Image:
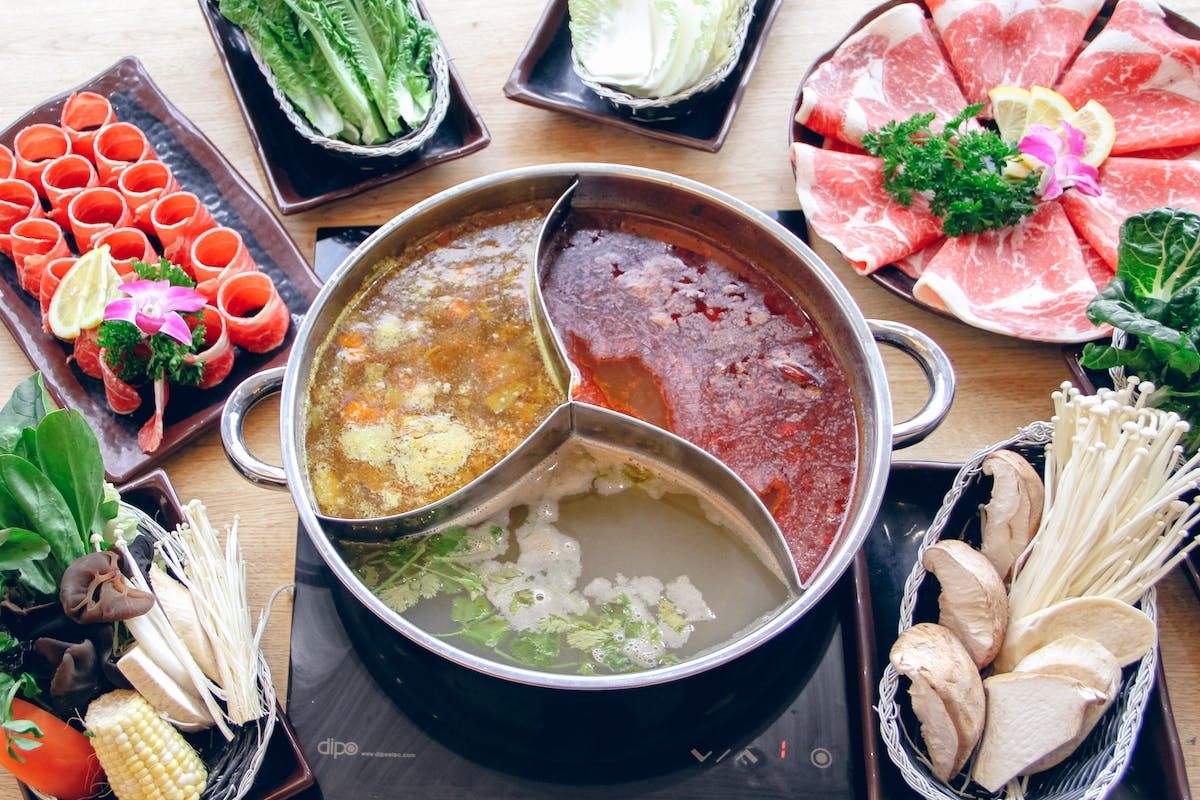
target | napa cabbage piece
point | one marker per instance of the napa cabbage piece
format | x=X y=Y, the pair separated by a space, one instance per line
x=653 y=48
x=357 y=69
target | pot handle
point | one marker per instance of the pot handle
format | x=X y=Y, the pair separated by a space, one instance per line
x=233 y=419
x=938 y=371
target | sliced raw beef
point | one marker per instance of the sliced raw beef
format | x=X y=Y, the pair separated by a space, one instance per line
x=890 y=69
x=1145 y=74
x=913 y=264
x=1029 y=280
x=1130 y=185
x=845 y=203
x=1010 y=42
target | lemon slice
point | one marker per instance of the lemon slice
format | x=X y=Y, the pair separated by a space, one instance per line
x=1047 y=107
x=1010 y=110
x=1097 y=124
x=85 y=290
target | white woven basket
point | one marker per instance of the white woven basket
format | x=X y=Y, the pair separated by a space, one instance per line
x=1096 y=767
x=397 y=147
x=659 y=107
x=232 y=765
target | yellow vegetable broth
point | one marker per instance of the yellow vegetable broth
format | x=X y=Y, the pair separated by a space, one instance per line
x=431 y=374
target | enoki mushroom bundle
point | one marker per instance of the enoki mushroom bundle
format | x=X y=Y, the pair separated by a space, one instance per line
x=1120 y=500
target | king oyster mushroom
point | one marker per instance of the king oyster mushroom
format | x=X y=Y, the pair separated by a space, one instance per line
x=947 y=694
x=973 y=603
x=1012 y=515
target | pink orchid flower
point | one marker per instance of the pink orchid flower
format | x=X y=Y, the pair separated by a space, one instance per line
x=1060 y=153
x=154 y=307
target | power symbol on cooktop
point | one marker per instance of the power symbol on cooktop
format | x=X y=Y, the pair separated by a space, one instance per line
x=821 y=758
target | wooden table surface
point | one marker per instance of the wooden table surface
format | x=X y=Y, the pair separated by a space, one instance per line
x=49 y=47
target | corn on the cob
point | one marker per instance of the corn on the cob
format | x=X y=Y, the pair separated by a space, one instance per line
x=144 y=756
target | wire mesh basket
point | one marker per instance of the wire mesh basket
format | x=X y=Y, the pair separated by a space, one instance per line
x=675 y=105
x=1100 y=761
x=413 y=140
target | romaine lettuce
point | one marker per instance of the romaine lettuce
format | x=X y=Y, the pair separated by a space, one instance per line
x=357 y=69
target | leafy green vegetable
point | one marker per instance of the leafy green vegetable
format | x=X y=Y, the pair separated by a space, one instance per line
x=961 y=172
x=653 y=48
x=53 y=495
x=358 y=69
x=1155 y=298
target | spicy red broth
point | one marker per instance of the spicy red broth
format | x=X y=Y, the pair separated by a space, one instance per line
x=667 y=327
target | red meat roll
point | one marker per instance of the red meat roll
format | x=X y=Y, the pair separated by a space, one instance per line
x=141 y=185
x=118 y=145
x=83 y=115
x=8 y=162
x=94 y=211
x=217 y=355
x=51 y=277
x=126 y=244
x=123 y=398
x=178 y=219
x=63 y=178
x=216 y=255
x=87 y=355
x=18 y=201
x=34 y=147
x=36 y=242
x=254 y=313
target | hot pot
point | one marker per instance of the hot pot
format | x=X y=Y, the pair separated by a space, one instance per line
x=787 y=260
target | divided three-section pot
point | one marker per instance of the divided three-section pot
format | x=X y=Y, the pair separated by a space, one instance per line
x=726 y=224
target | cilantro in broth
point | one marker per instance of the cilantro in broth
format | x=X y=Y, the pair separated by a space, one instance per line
x=961 y=173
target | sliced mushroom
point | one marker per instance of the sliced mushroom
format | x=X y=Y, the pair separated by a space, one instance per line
x=946 y=691
x=1123 y=630
x=973 y=602
x=1011 y=517
x=177 y=604
x=1029 y=715
x=1088 y=662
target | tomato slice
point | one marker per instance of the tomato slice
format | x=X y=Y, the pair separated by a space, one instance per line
x=64 y=766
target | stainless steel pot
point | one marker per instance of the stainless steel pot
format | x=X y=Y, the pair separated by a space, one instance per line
x=677 y=200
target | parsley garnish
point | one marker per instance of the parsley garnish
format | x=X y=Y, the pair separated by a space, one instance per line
x=137 y=358
x=962 y=173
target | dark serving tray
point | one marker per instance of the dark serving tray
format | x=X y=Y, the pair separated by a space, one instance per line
x=543 y=77
x=200 y=168
x=302 y=175
x=284 y=772
x=914 y=494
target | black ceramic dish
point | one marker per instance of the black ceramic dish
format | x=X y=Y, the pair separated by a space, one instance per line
x=301 y=174
x=200 y=169
x=284 y=772
x=543 y=77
